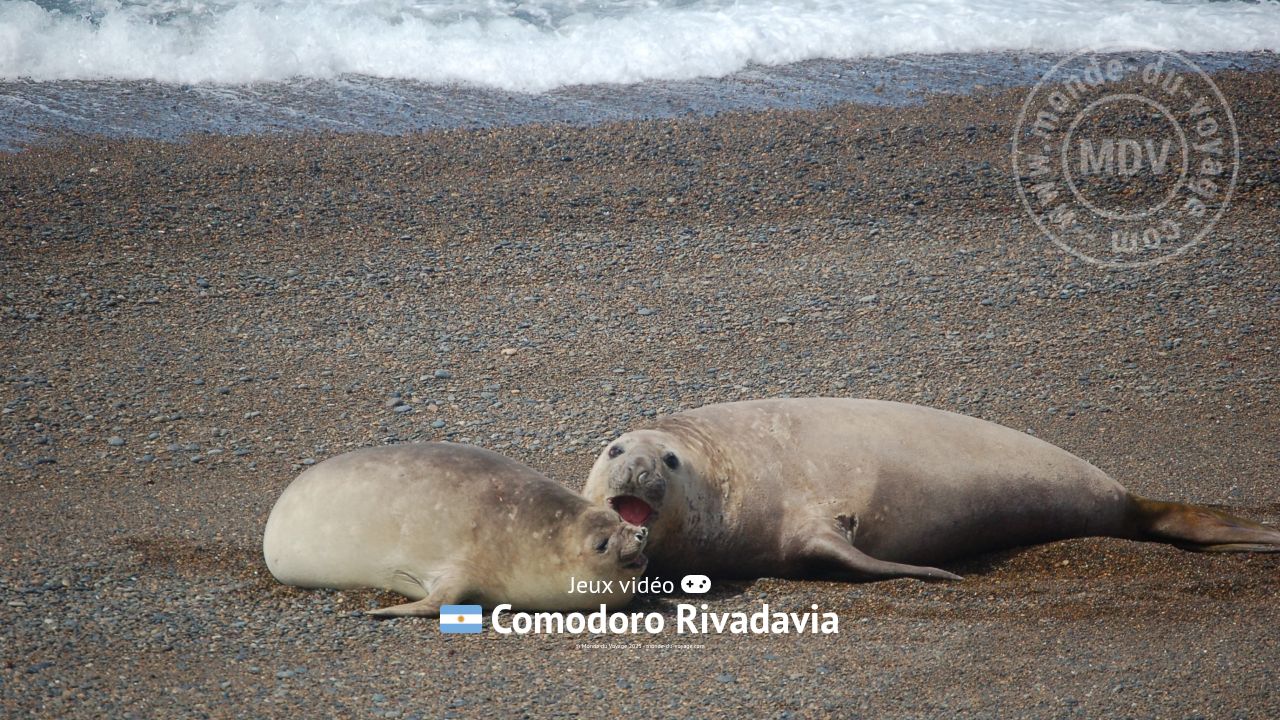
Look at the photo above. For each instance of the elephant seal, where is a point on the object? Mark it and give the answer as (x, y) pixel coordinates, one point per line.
(869, 489)
(443, 523)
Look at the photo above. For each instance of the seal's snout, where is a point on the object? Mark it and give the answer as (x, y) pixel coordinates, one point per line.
(631, 538)
(638, 468)
(639, 477)
(631, 549)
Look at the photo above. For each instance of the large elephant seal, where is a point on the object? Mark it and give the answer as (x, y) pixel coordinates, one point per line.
(870, 489)
(444, 523)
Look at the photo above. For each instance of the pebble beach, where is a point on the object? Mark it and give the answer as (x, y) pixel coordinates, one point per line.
(185, 326)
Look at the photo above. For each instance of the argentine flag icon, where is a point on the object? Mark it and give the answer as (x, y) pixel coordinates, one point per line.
(460, 618)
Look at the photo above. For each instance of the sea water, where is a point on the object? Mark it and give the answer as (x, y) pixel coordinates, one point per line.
(337, 53)
(543, 44)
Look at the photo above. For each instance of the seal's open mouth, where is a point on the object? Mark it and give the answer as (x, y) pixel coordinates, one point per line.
(638, 563)
(631, 508)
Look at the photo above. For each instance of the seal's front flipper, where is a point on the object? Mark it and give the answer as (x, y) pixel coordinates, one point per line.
(1201, 529)
(426, 607)
(441, 592)
(830, 548)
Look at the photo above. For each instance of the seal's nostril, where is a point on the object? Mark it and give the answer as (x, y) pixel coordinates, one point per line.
(644, 475)
(642, 534)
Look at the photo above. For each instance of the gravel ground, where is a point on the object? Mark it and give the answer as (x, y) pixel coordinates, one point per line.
(186, 326)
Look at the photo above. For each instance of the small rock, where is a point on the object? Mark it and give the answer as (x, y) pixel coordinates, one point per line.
(437, 424)
(115, 441)
(442, 375)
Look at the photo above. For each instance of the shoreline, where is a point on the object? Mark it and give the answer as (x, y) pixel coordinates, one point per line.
(35, 114)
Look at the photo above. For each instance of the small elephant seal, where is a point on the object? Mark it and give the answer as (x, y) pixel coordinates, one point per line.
(443, 523)
(868, 489)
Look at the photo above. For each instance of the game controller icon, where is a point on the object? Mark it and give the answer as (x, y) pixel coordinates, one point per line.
(696, 584)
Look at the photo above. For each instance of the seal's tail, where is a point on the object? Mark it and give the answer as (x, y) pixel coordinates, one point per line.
(1201, 529)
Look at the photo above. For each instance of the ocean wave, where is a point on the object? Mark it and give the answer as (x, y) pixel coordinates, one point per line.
(544, 44)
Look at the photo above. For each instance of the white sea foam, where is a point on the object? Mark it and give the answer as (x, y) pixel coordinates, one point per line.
(542, 44)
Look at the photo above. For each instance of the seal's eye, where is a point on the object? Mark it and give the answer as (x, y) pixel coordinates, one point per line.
(615, 451)
(602, 545)
(671, 460)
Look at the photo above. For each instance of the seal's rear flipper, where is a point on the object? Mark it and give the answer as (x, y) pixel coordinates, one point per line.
(1200, 529)
(831, 549)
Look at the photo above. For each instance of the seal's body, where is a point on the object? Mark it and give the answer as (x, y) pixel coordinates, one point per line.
(870, 489)
(444, 523)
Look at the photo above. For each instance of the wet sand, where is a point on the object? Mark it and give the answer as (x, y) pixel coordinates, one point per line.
(186, 325)
(36, 113)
